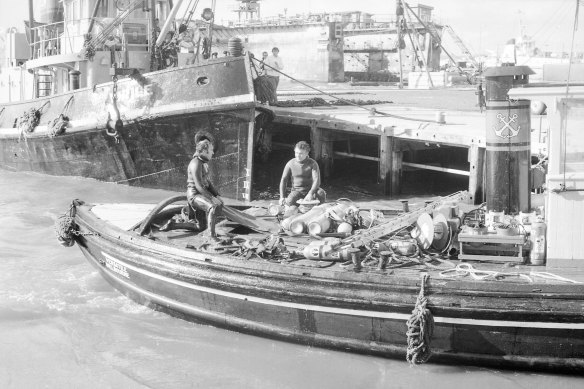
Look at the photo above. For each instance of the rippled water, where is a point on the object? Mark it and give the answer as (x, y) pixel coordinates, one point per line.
(63, 326)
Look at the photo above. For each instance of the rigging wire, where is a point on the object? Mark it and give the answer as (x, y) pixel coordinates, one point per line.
(564, 133)
(562, 13)
(559, 15)
(372, 110)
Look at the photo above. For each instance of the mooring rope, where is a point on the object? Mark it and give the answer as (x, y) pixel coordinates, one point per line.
(372, 110)
(420, 328)
(145, 175)
(466, 269)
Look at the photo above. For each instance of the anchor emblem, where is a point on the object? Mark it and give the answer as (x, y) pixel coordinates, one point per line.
(507, 126)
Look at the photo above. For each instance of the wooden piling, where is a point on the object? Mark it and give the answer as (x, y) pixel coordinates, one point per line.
(390, 162)
(322, 146)
(476, 158)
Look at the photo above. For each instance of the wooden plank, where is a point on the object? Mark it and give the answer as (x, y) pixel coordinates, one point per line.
(492, 238)
(358, 156)
(436, 168)
(491, 258)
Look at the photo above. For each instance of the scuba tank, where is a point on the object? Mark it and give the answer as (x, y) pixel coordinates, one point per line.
(537, 240)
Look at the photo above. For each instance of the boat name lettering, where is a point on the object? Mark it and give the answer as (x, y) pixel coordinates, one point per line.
(115, 266)
(133, 92)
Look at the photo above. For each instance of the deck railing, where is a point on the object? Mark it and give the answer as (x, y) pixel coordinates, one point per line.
(69, 37)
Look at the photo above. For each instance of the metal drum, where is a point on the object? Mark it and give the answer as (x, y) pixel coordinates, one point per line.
(508, 136)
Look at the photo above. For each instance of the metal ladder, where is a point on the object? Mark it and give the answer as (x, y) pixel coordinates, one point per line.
(44, 83)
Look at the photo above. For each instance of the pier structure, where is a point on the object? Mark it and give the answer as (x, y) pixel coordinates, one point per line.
(406, 139)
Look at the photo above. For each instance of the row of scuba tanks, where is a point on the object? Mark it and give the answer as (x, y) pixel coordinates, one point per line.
(340, 217)
(330, 222)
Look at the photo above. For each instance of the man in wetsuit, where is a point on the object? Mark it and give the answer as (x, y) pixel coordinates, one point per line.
(201, 194)
(305, 176)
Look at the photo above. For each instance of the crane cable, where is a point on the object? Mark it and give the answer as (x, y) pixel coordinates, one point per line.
(371, 110)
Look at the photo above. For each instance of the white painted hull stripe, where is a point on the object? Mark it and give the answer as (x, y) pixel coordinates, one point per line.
(345, 311)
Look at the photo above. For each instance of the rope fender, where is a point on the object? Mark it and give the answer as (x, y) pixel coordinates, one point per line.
(59, 125)
(420, 328)
(30, 119)
(65, 227)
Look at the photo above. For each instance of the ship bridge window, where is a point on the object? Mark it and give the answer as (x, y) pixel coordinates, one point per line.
(203, 80)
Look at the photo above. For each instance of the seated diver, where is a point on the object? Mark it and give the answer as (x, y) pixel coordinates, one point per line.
(201, 194)
(305, 175)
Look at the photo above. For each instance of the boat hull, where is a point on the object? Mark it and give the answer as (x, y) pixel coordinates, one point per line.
(347, 311)
(160, 119)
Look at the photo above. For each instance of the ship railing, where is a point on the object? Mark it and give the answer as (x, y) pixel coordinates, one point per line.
(69, 37)
(46, 40)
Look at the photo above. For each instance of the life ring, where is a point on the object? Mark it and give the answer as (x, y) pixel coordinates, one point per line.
(537, 107)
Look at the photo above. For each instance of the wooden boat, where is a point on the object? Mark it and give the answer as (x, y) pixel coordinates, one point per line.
(509, 323)
(107, 116)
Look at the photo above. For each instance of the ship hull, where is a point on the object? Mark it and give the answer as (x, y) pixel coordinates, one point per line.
(160, 115)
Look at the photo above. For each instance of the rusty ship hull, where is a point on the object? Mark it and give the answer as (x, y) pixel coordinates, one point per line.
(160, 114)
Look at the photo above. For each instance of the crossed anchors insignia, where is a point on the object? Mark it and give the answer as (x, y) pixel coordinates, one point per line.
(507, 126)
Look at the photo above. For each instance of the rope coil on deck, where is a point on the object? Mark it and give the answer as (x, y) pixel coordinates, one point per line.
(420, 328)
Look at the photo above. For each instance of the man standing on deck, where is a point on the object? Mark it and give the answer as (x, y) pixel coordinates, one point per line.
(201, 194)
(305, 176)
(275, 62)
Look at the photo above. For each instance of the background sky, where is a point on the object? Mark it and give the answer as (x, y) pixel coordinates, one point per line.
(482, 24)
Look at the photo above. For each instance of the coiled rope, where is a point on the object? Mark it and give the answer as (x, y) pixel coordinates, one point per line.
(420, 328)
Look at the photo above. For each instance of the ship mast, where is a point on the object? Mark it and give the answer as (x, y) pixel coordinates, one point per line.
(30, 28)
(399, 13)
